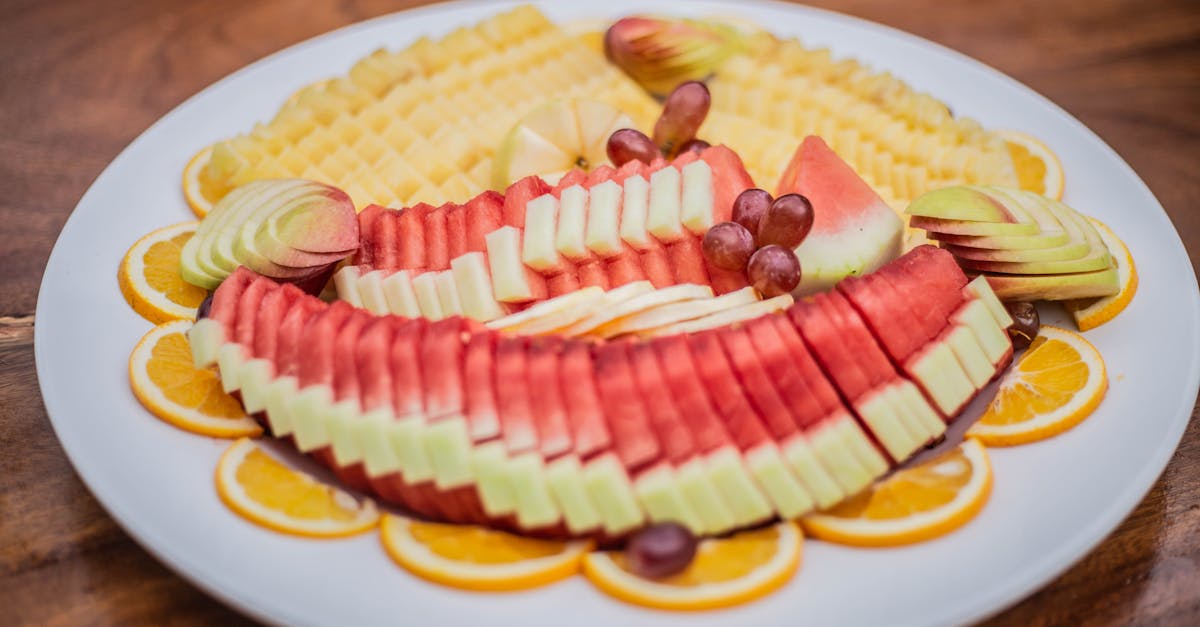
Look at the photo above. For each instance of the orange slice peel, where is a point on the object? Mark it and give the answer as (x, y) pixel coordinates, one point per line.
(149, 276)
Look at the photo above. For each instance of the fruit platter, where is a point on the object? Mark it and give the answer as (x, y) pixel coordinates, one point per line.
(519, 310)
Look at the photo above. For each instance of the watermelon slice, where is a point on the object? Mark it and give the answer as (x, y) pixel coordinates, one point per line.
(437, 246)
(479, 362)
(513, 397)
(484, 214)
(688, 264)
(574, 176)
(366, 233)
(456, 230)
(626, 414)
(247, 314)
(518, 195)
(227, 298)
(656, 264)
(854, 231)
(547, 405)
(274, 306)
(625, 267)
(387, 236)
(562, 283)
(371, 359)
(729, 179)
(410, 232)
(589, 431)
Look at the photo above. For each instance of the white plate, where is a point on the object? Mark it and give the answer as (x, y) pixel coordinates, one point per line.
(1053, 501)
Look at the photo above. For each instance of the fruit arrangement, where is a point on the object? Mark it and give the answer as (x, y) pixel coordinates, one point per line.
(578, 334)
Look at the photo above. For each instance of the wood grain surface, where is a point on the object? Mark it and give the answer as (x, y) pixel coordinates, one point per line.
(80, 79)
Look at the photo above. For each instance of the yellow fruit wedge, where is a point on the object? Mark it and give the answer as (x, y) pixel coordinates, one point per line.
(166, 383)
(1090, 313)
(1059, 381)
(478, 558)
(556, 137)
(1038, 168)
(149, 276)
(266, 492)
(725, 572)
(550, 315)
(913, 504)
(199, 190)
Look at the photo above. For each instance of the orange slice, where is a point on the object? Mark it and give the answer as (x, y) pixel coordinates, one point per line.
(166, 383)
(264, 491)
(149, 276)
(1038, 168)
(478, 558)
(725, 572)
(200, 192)
(913, 504)
(1057, 383)
(1092, 312)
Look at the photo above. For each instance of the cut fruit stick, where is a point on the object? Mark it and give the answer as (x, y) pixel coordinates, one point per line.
(665, 314)
(696, 203)
(474, 285)
(370, 292)
(663, 218)
(428, 300)
(1058, 382)
(400, 296)
(570, 237)
(1090, 314)
(546, 315)
(615, 310)
(937, 371)
(264, 491)
(538, 250)
(447, 292)
(478, 558)
(728, 317)
(512, 280)
(603, 234)
(634, 208)
(993, 340)
(970, 354)
(979, 288)
(914, 504)
(346, 283)
(725, 572)
(445, 435)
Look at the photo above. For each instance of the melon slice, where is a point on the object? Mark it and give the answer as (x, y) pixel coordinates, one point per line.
(854, 231)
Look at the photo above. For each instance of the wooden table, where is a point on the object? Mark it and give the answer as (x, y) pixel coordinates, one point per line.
(79, 80)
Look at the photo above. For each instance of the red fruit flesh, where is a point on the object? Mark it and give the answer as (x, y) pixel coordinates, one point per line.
(599, 174)
(484, 213)
(592, 273)
(867, 352)
(757, 384)
(656, 264)
(371, 360)
(776, 359)
(290, 336)
(888, 320)
(518, 195)
(546, 399)
(386, 256)
(624, 268)
(633, 441)
(732, 406)
(628, 169)
(729, 179)
(408, 392)
(513, 397)
(315, 356)
(577, 380)
(247, 315)
(575, 176)
(226, 298)
(665, 418)
(478, 363)
(366, 233)
(562, 283)
(688, 264)
(824, 340)
(410, 232)
(437, 248)
(442, 361)
(456, 230)
(686, 388)
(823, 392)
(274, 306)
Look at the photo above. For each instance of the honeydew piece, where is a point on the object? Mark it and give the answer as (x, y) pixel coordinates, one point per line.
(475, 287)
(995, 341)
(400, 296)
(378, 457)
(278, 402)
(841, 447)
(535, 507)
(937, 370)
(346, 283)
(970, 355)
(786, 494)
(564, 476)
(603, 235)
(489, 460)
(918, 410)
(696, 205)
(537, 247)
(509, 280)
(405, 437)
(664, 213)
(447, 293)
(254, 376)
(229, 364)
(571, 236)
(370, 292)
(981, 289)
(658, 491)
(205, 337)
(308, 409)
(341, 423)
(818, 482)
(742, 497)
(635, 204)
(448, 444)
(612, 492)
(702, 496)
(428, 299)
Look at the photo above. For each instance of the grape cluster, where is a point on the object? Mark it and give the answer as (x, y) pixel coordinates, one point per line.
(683, 112)
(761, 238)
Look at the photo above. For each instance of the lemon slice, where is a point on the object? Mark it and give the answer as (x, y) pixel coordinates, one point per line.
(1090, 313)
(149, 276)
(911, 505)
(478, 558)
(725, 572)
(200, 193)
(1059, 381)
(166, 383)
(266, 492)
(1038, 168)
(556, 137)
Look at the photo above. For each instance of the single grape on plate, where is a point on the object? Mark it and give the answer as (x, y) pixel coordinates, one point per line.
(773, 270)
(1026, 324)
(786, 222)
(749, 207)
(728, 246)
(683, 112)
(661, 550)
(629, 144)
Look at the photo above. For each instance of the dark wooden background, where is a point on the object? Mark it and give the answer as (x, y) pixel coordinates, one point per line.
(80, 79)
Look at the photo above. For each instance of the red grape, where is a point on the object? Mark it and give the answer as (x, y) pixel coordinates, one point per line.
(773, 270)
(694, 145)
(749, 207)
(683, 112)
(786, 222)
(728, 246)
(661, 550)
(629, 144)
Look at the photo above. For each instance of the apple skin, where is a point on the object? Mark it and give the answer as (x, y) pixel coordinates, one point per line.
(963, 203)
(1017, 287)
